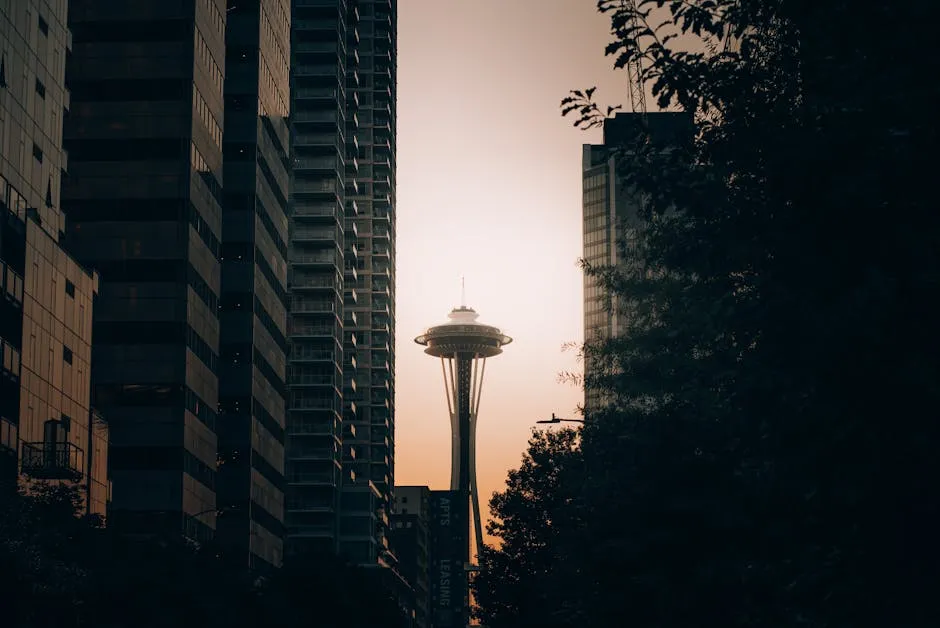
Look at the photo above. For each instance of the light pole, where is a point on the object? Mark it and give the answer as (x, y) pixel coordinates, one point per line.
(556, 419)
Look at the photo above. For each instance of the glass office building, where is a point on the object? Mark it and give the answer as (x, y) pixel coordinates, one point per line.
(253, 300)
(144, 201)
(612, 216)
(48, 428)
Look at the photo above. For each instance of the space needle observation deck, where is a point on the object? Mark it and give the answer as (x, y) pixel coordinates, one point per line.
(463, 345)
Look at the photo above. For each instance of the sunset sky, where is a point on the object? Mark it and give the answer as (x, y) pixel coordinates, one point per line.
(489, 187)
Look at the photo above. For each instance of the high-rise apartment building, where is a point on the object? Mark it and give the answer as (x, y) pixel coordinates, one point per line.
(48, 428)
(315, 275)
(253, 299)
(341, 277)
(369, 382)
(144, 202)
(612, 214)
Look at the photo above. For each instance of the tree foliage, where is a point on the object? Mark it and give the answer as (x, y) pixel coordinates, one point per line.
(531, 519)
(766, 456)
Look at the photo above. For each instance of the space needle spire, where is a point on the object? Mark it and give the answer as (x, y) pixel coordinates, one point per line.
(463, 345)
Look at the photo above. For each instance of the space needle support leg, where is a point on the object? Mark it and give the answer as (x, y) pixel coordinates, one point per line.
(476, 393)
(448, 388)
(454, 422)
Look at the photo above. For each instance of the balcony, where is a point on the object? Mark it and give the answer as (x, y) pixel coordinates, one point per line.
(312, 234)
(380, 251)
(306, 210)
(313, 478)
(313, 259)
(53, 461)
(316, 46)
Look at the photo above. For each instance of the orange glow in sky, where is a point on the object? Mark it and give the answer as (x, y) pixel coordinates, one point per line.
(489, 188)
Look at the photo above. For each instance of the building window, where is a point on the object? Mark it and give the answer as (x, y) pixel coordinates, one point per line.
(43, 26)
(37, 152)
(70, 288)
(66, 354)
(40, 89)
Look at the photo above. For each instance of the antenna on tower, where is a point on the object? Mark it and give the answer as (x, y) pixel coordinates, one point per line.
(463, 292)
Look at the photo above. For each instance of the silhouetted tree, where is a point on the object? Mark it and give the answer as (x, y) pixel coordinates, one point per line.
(536, 518)
(766, 458)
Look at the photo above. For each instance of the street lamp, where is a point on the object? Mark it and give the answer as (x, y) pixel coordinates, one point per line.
(556, 419)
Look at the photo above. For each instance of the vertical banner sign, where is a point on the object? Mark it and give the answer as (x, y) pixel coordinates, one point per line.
(448, 536)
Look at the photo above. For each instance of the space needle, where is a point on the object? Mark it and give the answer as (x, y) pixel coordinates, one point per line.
(463, 345)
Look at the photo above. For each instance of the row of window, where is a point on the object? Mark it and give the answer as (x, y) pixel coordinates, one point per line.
(11, 200)
(265, 216)
(311, 352)
(275, 38)
(215, 17)
(201, 167)
(156, 395)
(212, 68)
(161, 458)
(11, 283)
(10, 358)
(205, 114)
(303, 303)
(595, 221)
(267, 370)
(269, 85)
(595, 195)
(596, 237)
(270, 325)
(202, 228)
(594, 182)
(596, 252)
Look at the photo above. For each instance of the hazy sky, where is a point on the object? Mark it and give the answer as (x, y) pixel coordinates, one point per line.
(489, 187)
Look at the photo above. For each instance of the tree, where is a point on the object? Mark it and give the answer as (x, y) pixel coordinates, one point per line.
(535, 518)
(765, 459)
(778, 348)
(42, 542)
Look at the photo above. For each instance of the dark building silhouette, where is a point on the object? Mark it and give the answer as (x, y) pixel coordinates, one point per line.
(410, 542)
(341, 254)
(48, 428)
(448, 533)
(253, 299)
(144, 201)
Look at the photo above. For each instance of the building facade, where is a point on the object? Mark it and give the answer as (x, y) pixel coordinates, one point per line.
(253, 299)
(341, 278)
(369, 383)
(410, 542)
(144, 201)
(49, 430)
(317, 210)
(612, 216)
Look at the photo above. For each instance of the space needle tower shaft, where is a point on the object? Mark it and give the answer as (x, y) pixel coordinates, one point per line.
(463, 345)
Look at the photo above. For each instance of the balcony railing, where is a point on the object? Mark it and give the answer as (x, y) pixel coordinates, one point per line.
(53, 461)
